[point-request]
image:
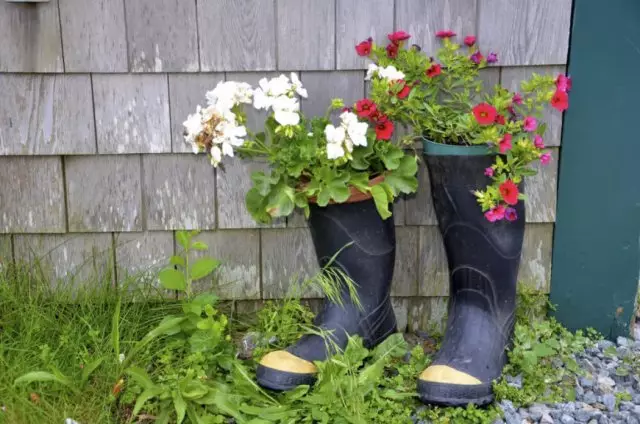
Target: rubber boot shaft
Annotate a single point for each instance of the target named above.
(483, 260)
(366, 245)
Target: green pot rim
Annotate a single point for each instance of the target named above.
(438, 149)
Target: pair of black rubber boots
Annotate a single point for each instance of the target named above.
(483, 260)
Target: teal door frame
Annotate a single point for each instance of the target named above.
(596, 251)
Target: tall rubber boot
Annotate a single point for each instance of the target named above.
(369, 263)
(483, 267)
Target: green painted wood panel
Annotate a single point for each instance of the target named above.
(595, 256)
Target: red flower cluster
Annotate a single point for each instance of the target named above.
(364, 48)
(560, 99)
(367, 109)
(509, 192)
(434, 70)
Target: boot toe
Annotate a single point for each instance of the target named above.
(443, 385)
(282, 371)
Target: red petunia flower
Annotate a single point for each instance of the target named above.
(392, 51)
(500, 120)
(477, 58)
(398, 36)
(404, 92)
(364, 48)
(447, 33)
(434, 70)
(485, 113)
(560, 100)
(470, 40)
(517, 99)
(509, 192)
(365, 108)
(495, 214)
(384, 128)
(505, 143)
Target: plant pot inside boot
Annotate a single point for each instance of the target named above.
(368, 260)
(483, 260)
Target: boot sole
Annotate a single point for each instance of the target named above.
(282, 381)
(444, 394)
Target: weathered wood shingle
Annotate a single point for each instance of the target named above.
(525, 32)
(433, 279)
(6, 251)
(69, 259)
(179, 192)
(422, 18)
(132, 113)
(541, 191)
(31, 195)
(239, 274)
(358, 20)
(94, 35)
(535, 262)
(237, 35)
(306, 34)
(30, 35)
(419, 206)
(103, 193)
(162, 35)
(405, 273)
(325, 86)
(46, 114)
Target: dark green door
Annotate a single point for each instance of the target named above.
(596, 250)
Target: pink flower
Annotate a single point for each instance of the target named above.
(398, 36)
(492, 58)
(529, 124)
(476, 58)
(495, 214)
(364, 48)
(538, 142)
(517, 99)
(510, 214)
(545, 158)
(447, 33)
(470, 40)
(488, 172)
(563, 83)
(505, 143)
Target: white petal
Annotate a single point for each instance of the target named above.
(284, 117)
(334, 151)
(358, 133)
(227, 149)
(348, 118)
(371, 70)
(334, 135)
(302, 92)
(216, 155)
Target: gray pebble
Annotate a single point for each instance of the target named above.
(626, 406)
(586, 382)
(567, 419)
(623, 341)
(603, 344)
(609, 401)
(632, 420)
(546, 419)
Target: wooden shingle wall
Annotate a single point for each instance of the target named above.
(94, 93)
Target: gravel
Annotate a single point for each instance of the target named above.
(602, 396)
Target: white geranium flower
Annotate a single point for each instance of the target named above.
(278, 86)
(216, 155)
(334, 151)
(244, 92)
(261, 100)
(390, 73)
(285, 103)
(193, 126)
(285, 117)
(227, 149)
(348, 118)
(358, 133)
(334, 135)
(297, 85)
(371, 71)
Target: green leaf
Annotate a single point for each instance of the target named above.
(168, 324)
(141, 377)
(391, 158)
(261, 182)
(193, 415)
(198, 245)
(172, 279)
(408, 166)
(177, 260)
(203, 267)
(143, 398)
(194, 389)
(183, 239)
(543, 350)
(43, 377)
(256, 205)
(115, 328)
(180, 405)
(401, 184)
(381, 200)
(280, 201)
(89, 368)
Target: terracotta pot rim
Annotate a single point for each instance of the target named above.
(356, 195)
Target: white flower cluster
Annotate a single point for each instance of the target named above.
(341, 139)
(215, 128)
(389, 73)
(279, 94)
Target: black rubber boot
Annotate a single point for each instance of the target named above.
(369, 263)
(483, 267)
